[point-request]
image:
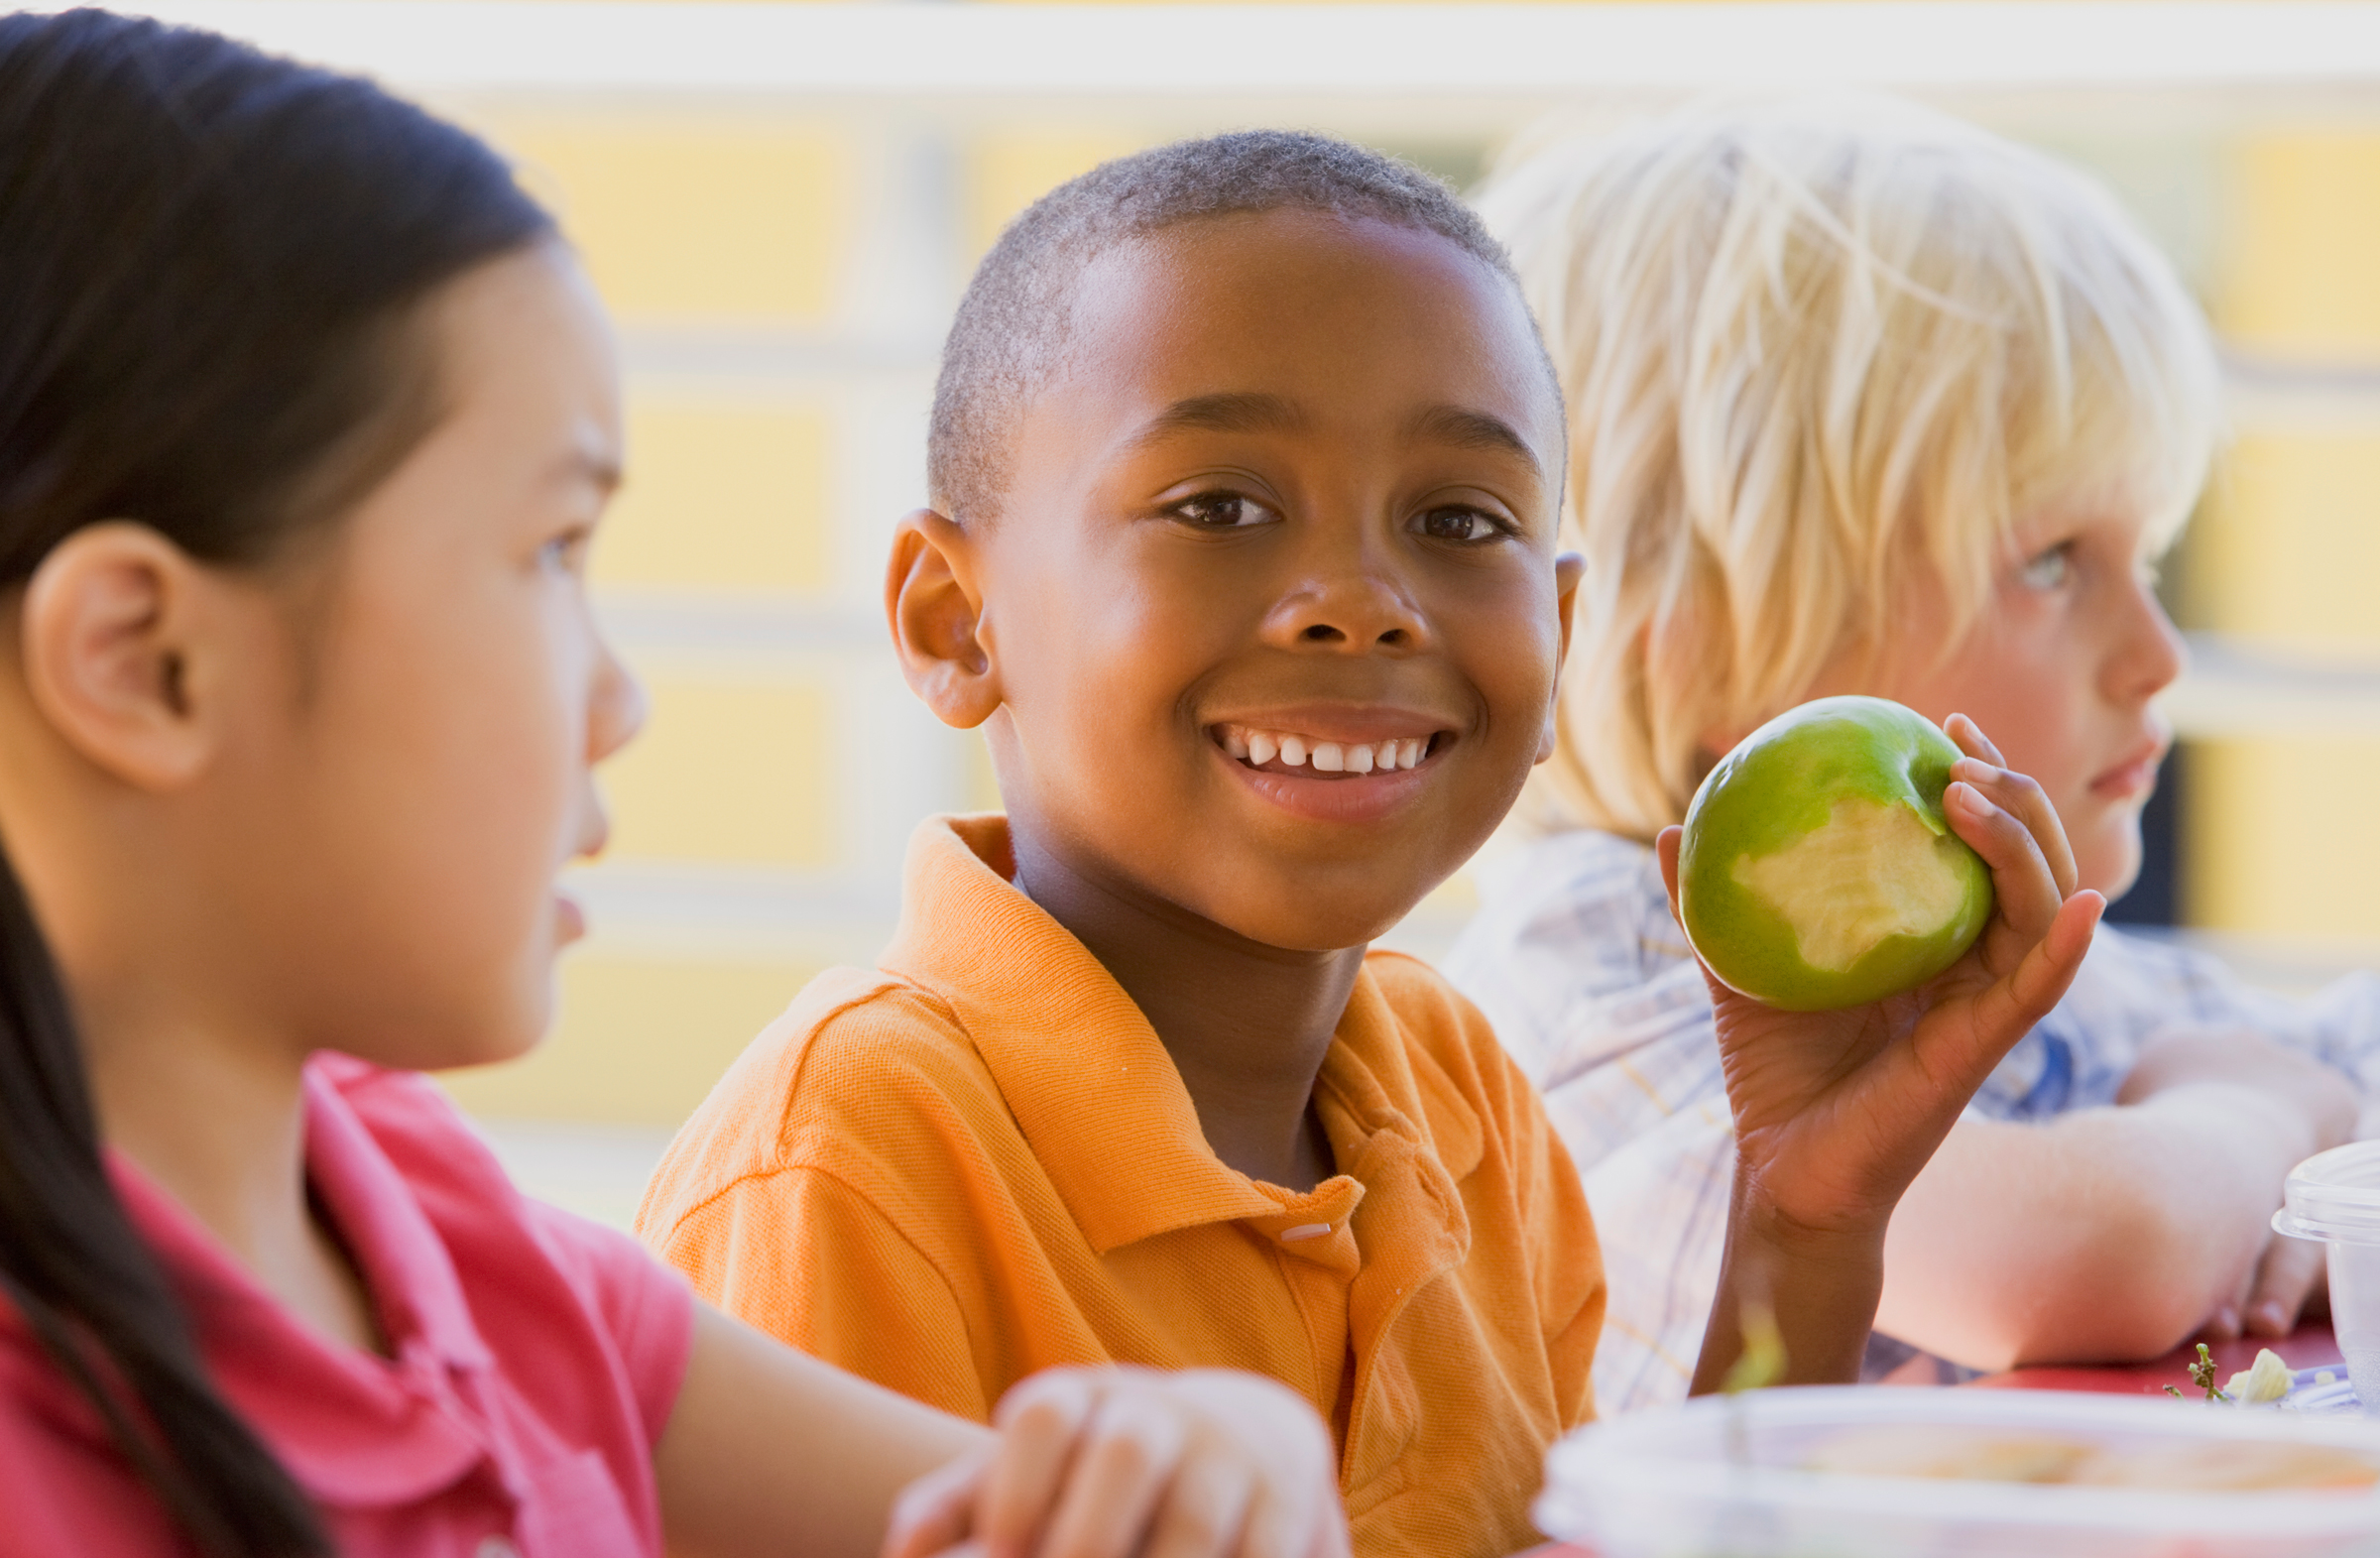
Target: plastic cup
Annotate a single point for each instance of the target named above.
(2335, 1197)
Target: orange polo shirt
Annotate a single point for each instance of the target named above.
(978, 1161)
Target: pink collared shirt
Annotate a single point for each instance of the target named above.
(534, 1357)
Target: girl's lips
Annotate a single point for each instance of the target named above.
(570, 921)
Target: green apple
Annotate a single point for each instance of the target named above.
(1818, 871)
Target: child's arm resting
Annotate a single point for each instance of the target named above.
(1835, 1111)
(769, 1451)
(2114, 1234)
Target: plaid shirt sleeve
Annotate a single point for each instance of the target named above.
(1592, 988)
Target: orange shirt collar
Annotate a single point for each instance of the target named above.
(1090, 1083)
(1092, 1087)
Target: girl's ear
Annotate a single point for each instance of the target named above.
(933, 599)
(115, 657)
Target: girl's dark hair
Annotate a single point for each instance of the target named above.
(210, 267)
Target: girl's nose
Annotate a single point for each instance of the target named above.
(618, 705)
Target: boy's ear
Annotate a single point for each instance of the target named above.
(933, 599)
(1569, 570)
(115, 651)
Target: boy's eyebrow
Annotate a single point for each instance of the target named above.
(1470, 429)
(1255, 411)
(1230, 412)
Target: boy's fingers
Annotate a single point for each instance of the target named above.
(2020, 878)
(2023, 797)
(2008, 1008)
(1968, 736)
(1665, 848)
(2284, 1278)
(933, 1513)
(1128, 1456)
(1041, 1422)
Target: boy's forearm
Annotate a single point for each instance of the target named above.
(1818, 1287)
(2108, 1234)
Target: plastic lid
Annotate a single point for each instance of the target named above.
(2334, 1195)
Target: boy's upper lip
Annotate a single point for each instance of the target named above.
(1352, 723)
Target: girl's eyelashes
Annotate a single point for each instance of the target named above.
(566, 552)
(1460, 524)
(2050, 569)
(1222, 511)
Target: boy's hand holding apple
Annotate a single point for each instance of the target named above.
(1837, 1111)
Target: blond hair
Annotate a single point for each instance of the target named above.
(1808, 347)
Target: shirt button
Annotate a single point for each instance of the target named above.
(496, 1547)
(1303, 1231)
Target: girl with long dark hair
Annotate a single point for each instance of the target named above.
(307, 420)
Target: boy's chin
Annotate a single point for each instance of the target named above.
(2110, 863)
(1314, 928)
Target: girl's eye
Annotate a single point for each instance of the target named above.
(2051, 569)
(1458, 524)
(1222, 511)
(566, 552)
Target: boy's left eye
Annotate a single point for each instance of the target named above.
(1460, 525)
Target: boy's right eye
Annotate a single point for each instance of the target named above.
(1222, 511)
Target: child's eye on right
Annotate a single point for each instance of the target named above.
(1219, 511)
(2050, 569)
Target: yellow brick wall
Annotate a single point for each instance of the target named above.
(695, 219)
(2280, 834)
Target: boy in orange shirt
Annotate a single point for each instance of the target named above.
(1246, 462)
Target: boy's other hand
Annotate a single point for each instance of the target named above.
(1835, 1111)
(1135, 1462)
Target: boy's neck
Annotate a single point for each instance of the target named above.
(1247, 1024)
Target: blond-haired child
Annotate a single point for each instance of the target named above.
(1865, 399)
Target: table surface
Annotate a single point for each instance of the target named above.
(2310, 1346)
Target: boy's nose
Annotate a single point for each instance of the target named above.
(1350, 616)
(1350, 600)
(2150, 653)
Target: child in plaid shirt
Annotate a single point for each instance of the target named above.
(1864, 400)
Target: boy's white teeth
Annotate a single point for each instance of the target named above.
(1260, 747)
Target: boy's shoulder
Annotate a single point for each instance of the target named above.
(861, 1062)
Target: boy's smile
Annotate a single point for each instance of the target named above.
(1271, 601)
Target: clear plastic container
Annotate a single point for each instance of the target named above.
(2335, 1197)
(1728, 1479)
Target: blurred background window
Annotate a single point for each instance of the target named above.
(780, 203)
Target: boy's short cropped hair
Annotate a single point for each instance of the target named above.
(1814, 351)
(1009, 333)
